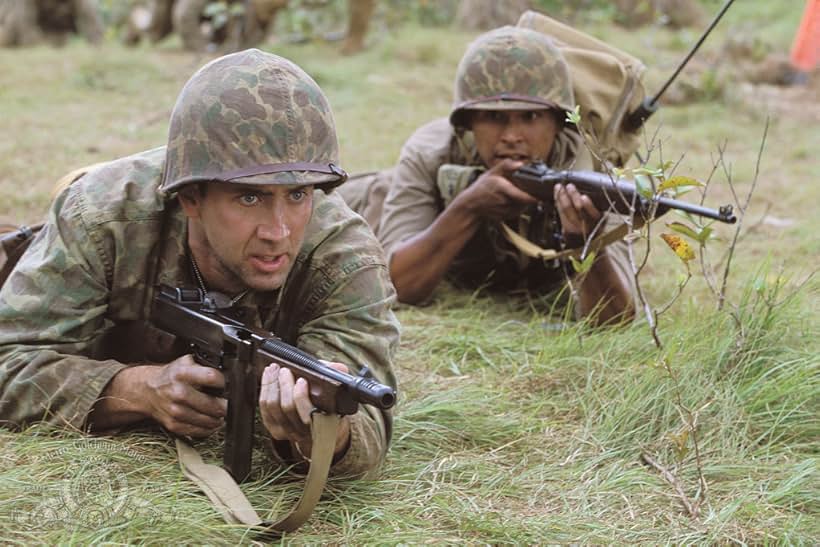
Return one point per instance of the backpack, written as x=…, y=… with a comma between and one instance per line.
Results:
x=607, y=86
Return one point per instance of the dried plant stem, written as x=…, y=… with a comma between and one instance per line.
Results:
x=691, y=423
x=691, y=508
x=722, y=294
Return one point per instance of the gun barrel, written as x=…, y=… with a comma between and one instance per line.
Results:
x=364, y=390
x=723, y=214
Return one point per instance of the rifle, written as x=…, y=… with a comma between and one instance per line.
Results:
x=219, y=340
x=608, y=193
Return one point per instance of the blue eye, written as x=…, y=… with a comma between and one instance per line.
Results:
x=297, y=194
x=248, y=199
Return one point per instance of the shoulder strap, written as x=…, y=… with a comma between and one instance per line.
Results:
x=229, y=500
x=14, y=240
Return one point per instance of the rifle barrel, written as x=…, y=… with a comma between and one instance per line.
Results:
x=723, y=214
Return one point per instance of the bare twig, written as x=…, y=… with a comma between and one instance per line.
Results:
x=691, y=421
x=691, y=508
x=722, y=295
x=745, y=234
x=681, y=287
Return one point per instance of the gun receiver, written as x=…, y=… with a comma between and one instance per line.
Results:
x=219, y=340
x=607, y=193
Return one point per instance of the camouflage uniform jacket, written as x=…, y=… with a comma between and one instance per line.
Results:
x=74, y=310
x=414, y=200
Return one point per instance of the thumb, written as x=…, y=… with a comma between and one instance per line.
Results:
x=336, y=366
x=506, y=167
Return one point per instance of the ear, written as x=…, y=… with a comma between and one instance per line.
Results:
x=190, y=198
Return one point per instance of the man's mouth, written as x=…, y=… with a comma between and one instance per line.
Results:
x=269, y=263
x=515, y=157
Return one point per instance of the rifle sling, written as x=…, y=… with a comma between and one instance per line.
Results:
x=225, y=494
x=534, y=251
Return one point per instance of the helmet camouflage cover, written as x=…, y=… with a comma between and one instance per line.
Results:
x=254, y=118
x=511, y=68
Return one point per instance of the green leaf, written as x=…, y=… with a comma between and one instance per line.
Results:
x=644, y=170
x=585, y=265
x=678, y=181
x=681, y=228
x=574, y=117
x=666, y=166
x=704, y=234
x=213, y=9
x=644, y=186
x=680, y=442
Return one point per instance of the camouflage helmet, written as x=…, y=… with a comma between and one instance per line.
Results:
x=511, y=68
x=254, y=118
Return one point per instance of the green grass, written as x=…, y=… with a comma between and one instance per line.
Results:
x=512, y=427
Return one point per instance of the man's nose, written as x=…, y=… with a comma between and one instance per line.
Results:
x=512, y=132
x=274, y=228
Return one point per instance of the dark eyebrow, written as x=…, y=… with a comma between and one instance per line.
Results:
x=249, y=189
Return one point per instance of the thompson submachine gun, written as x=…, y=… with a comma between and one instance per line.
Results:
x=218, y=339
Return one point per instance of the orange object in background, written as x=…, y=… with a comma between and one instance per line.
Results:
x=806, y=47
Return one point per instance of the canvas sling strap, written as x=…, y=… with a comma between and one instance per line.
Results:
x=225, y=494
x=534, y=251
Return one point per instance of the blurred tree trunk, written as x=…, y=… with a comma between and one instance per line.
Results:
x=88, y=20
x=161, y=20
x=18, y=23
x=26, y=22
x=259, y=19
x=359, y=20
x=186, y=18
x=682, y=13
x=634, y=13
x=675, y=13
x=489, y=14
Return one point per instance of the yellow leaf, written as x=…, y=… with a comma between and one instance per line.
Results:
x=679, y=441
x=679, y=245
x=676, y=181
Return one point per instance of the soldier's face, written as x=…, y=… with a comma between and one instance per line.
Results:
x=248, y=235
x=525, y=135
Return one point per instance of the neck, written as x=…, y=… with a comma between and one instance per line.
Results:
x=208, y=272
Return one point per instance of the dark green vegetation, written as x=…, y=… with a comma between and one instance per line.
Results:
x=508, y=429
